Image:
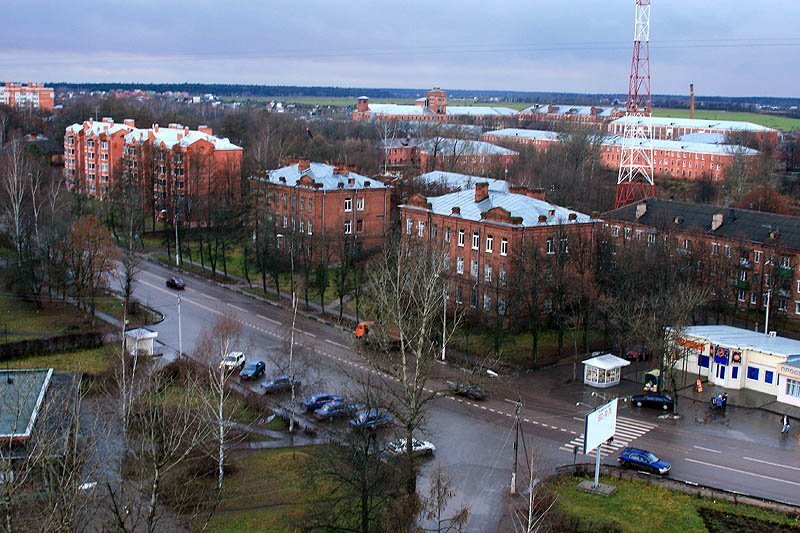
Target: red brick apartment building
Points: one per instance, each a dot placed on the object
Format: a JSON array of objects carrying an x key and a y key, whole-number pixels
[
  {"x": 432, "y": 108},
  {"x": 741, "y": 254},
  {"x": 674, "y": 159},
  {"x": 483, "y": 229},
  {"x": 401, "y": 154},
  {"x": 586, "y": 115},
  {"x": 326, "y": 201},
  {"x": 171, "y": 164},
  {"x": 463, "y": 155},
  {"x": 668, "y": 128},
  {"x": 31, "y": 96}
]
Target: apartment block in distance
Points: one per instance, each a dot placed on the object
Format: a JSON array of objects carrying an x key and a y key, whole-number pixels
[
  {"x": 326, "y": 202},
  {"x": 668, "y": 128},
  {"x": 34, "y": 96}
]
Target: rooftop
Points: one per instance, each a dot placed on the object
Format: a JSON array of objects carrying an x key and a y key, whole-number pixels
[
  {"x": 543, "y": 109},
  {"x": 321, "y": 174},
  {"x": 699, "y": 123},
  {"x": 446, "y": 146},
  {"x": 699, "y": 147},
  {"x": 454, "y": 180},
  {"x": 739, "y": 224},
  {"x": 745, "y": 339},
  {"x": 21, "y": 396},
  {"x": 703, "y": 137},
  {"x": 527, "y": 134},
  {"x": 408, "y": 109},
  {"x": 170, "y": 137},
  {"x": 607, "y": 362}
]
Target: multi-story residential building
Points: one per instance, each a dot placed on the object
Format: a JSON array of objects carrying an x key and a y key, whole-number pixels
[
  {"x": 326, "y": 202},
  {"x": 31, "y": 96},
  {"x": 462, "y": 155},
  {"x": 587, "y": 115},
  {"x": 674, "y": 159},
  {"x": 432, "y": 108},
  {"x": 668, "y": 128},
  {"x": 401, "y": 154},
  {"x": 739, "y": 254},
  {"x": 483, "y": 230},
  {"x": 168, "y": 164}
]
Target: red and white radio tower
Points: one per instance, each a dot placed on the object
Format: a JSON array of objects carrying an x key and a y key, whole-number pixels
[{"x": 635, "y": 180}]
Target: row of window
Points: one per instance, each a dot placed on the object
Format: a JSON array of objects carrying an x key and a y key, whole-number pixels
[
  {"x": 476, "y": 238},
  {"x": 474, "y": 298}
]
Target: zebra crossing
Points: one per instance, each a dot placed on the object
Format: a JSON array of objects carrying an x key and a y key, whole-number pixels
[{"x": 628, "y": 429}]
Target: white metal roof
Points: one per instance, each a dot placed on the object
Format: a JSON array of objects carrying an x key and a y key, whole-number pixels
[
  {"x": 699, "y": 123},
  {"x": 527, "y": 134},
  {"x": 97, "y": 127},
  {"x": 703, "y": 137},
  {"x": 479, "y": 110},
  {"x": 446, "y": 146},
  {"x": 177, "y": 136},
  {"x": 407, "y": 109},
  {"x": 321, "y": 173},
  {"x": 544, "y": 109},
  {"x": 141, "y": 333},
  {"x": 732, "y": 337},
  {"x": 701, "y": 148},
  {"x": 454, "y": 180},
  {"x": 607, "y": 362}
]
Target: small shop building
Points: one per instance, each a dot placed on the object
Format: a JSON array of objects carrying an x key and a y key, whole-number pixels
[
  {"x": 140, "y": 341},
  {"x": 737, "y": 358},
  {"x": 603, "y": 371}
]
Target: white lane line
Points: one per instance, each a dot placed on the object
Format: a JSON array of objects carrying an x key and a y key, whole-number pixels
[
  {"x": 745, "y": 472},
  {"x": 336, "y": 344},
  {"x": 210, "y": 297},
  {"x": 768, "y": 463},
  {"x": 708, "y": 450},
  {"x": 262, "y": 317},
  {"x": 306, "y": 333},
  {"x": 238, "y": 308}
]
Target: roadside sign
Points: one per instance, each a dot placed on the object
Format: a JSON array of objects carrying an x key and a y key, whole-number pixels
[{"x": 599, "y": 425}]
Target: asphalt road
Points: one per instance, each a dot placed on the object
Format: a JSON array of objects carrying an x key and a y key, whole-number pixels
[{"x": 741, "y": 451}]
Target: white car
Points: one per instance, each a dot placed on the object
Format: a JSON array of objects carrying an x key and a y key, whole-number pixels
[
  {"x": 419, "y": 447},
  {"x": 232, "y": 361}
]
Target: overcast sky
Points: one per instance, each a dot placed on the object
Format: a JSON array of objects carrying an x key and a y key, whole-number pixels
[{"x": 726, "y": 47}]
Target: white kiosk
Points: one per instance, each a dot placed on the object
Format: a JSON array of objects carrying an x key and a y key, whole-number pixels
[
  {"x": 603, "y": 371},
  {"x": 140, "y": 341}
]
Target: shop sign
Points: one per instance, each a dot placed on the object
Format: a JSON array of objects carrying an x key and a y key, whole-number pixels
[{"x": 721, "y": 355}]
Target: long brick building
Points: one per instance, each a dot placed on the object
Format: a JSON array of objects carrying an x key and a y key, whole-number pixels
[
  {"x": 585, "y": 115},
  {"x": 669, "y": 128},
  {"x": 34, "y": 96},
  {"x": 326, "y": 202}
]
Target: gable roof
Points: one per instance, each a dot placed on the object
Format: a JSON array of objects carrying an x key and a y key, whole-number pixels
[
  {"x": 699, "y": 123},
  {"x": 446, "y": 146},
  {"x": 454, "y": 180},
  {"x": 321, "y": 174}
]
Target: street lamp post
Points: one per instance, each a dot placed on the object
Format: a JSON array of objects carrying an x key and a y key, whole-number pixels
[
  {"x": 766, "y": 318},
  {"x": 444, "y": 320},
  {"x": 177, "y": 245},
  {"x": 180, "y": 332}
]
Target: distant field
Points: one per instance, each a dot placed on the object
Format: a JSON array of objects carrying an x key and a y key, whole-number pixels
[{"x": 770, "y": 121}]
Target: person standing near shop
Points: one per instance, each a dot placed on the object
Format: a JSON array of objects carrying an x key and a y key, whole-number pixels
[{"x": 785, "y": 424}]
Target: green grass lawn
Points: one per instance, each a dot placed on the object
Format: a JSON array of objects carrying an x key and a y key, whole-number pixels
[
  {"x": 638, "y": 506},
  {"x": 94, "y": 361},
  {"x": 268, "y": 492},
  {"x": 24, "y": 320},
  {"x": 771, "y": 121}
]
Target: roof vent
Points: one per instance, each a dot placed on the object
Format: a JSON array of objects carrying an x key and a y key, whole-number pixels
[
  {"x": 542, "y": 218},
  {"x": 641, "y": 209},
  {"x": 716, "y": 221},
  {"x": 455, "y": 210},
  {"x": 678, "y": 220},
  {"x": 774, "y": 234},
  {"x": 367, "y": 183},
  {"x": 282, "y": 179},
  {"x": 340, "y": 185},
  {"x": 773, "y": 334},
  {"x": 573, "y": 217}
]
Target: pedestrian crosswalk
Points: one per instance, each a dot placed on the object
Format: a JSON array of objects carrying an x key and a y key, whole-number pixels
[{"x": 628, "y": 429}]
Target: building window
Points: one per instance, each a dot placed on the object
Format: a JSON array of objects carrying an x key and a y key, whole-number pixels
[
  {"x": 434, "y": 231},
  {"x": 487, "y": 301},
  {"x": 753, "y": 298},
  {"x": 735, "y": 372},
  {"x": 420, "y": 229},
  {"x": 487, "y": 273},
  {"x": 409, "y": 226},
  {"x": 459, "y": 294},
  {"x": 476, "y": 240},
  {"x": 703, "y": 361},
  {"x": 563, "y": 245},
  {"x": 473, "y": 297},
  {"x": 447, "y": 260},
  {"x": 551, "y": 245},
  {"x": 348, "y": 227},
  {"x": 782, "y": 306},
  {"x": 302, "y": 203},
  {"x": 285, "y": 222},
  {"x": 728, "y": 251},
  {"x": 503, "y": 247},
  {"x": 793, "y": 387},
  {"x": 628, "y": 232},
  {"x": 309, "y": 228},
  {"x": 310, "y": 204},
  {"x": 741, "y": 295},
  {"x": 473, "y": 268},
  {"x": 360, "y": 225},
  {"x": 461, "y": 238},
  {"x": 757, "y": 255},
  {"x": 768, "y": 376},
  {"x": 786, "y": 262},
  {"x": 459, "y": 265},
  {"x": 502, "y": 277},
  {"x": 360, "y": 204},
  {"x": 651, "y": 238},
  {"x": 752, "y": 373},
  {"x": 615, "y": 231},
  {"x": 743, "y": 275},
  {"x": 714, "y": 248},
  {"x": 302, "y": 226},
  {"x": 489, "y": 243},
  {"x": 447, "y": 234}
]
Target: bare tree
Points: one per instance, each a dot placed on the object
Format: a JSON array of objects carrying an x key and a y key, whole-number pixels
[{"x": 434, "y": 505}]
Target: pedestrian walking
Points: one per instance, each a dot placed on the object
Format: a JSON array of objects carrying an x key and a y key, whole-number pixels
[
  {"x": 724, "y": 400},
  {"x": 574, "y": 454},
  {"x": 785, "y": 423}
]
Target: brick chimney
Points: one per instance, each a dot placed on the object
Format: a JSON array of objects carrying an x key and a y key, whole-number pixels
[
  {"x": 542, "y": 218},
  {"x": 303, "y": 165},
  {"x": 155, "y": 128},
  {"x": 716, "y": 221},
  {"x": 108, "y": 120},
  {"x": 363, "y": 104},
  {"x": 481, "y": 191},
  {"x": 205, "y": 129},
  {"x": 641, "y": 209},
  {"x": 538, "y": 193},
  {"x": 691, "y": 100},
  {"x": 129, "y": 122}
]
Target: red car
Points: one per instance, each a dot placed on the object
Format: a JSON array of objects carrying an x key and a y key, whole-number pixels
[{"x": 176, "y": 283}]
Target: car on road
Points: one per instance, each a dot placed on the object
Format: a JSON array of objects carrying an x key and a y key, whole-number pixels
[
  {"x": 468, "y": 390},
  {"x": 176, "y": 283},
  {"x": 370, "y": 419},
  {"x": 315, "y": 401},
  {"x": 254, "y": 369},
  {"x": 418, "y": 447},
  {"x": 643, "y": 460},
  {"x": 232, "y": 361},
  {"x": 653, "y": 399},
  {"x": 334, "y": 409},
  {"x": 279, "y": 384}
]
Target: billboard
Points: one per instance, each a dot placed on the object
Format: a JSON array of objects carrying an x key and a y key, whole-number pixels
[{"x": 599, "y": 425}]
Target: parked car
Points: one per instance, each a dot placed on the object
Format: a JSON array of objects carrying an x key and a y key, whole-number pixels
[
  {"x": 176, "y": 283},
  {"x": 232, "y": 361},
  {"x": 370, "y": 419},
  {"x": 644, "y": 460},
  {"x": 418, "y": 447},
  {"x": 316, "y": 401},
  {"x": 635, "y": 353},
  {"x": 468, "y": 390},
  {"x": 334, "y": 409},
  {"x": 279, "y": 384},
  {"x": 252, "y": 370},
  {"x": 653, "y": 399}
]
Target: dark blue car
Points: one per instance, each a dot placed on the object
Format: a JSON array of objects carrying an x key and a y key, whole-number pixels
[
  {"x": 334, "y": 409},
  {"x": 370, "y": 419},
  {"x": 318, "y": 400},
  {"x": 643, "y": 460}
]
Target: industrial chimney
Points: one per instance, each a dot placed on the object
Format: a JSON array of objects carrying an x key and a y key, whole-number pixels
[{"x": 691, "y": 100}]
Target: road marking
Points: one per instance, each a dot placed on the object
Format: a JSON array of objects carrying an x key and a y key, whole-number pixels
[
  {"x": 336, "y": 344},
  {"x": 768, "y": 463},
  {"x": 210, "y": 297},
  {"x": 239, "y": 308},
  {"x": 709, "y": 450},
  {"x": 627, "y": 430},
  {"x": 745, "y": 472},
  {"x": 262, "y": 317},
  {"x": 306, "y": 333}
]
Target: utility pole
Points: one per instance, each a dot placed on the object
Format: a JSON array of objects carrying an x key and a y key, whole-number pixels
[
  {"x": 180, "y": 332},
  {"x": 766, "y": 318},
  {"x": 517, "y": 412},
  {"x": 177, "y": 245},
  {"x": 444, "y": 320}
]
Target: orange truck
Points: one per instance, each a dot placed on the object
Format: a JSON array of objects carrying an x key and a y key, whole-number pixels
[{"x": 362, "y": 330}]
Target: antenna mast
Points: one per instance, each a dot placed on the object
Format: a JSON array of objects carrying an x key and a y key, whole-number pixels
[{"x": 635, "y": 179}]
